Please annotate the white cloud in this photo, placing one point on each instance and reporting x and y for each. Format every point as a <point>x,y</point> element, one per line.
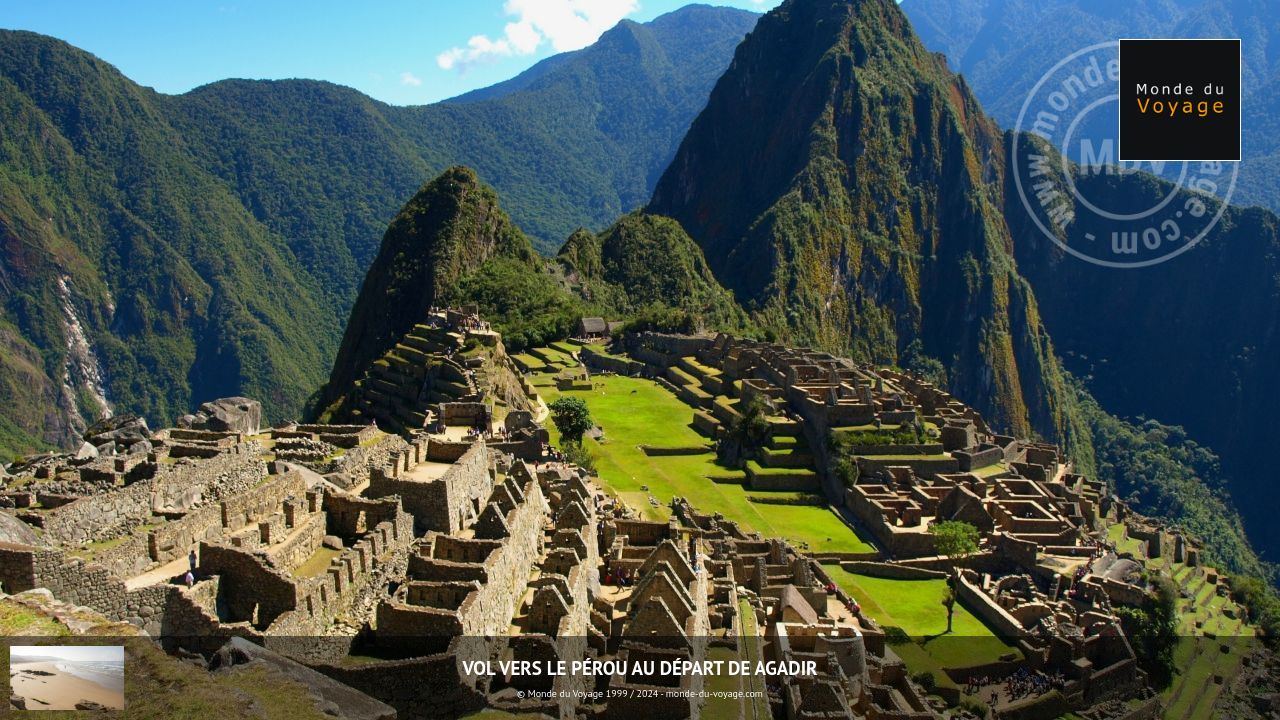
<point>564,24</point>
<point>408,78</point>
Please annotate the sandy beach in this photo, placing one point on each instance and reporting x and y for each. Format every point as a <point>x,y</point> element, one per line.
<point>59,690</point>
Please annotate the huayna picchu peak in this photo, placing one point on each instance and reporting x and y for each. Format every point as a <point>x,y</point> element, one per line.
<point>453,225</point>
<point>839,183</point>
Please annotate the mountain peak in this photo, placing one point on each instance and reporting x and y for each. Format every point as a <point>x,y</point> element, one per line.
<point>852,210</point>
<point>451,225</point>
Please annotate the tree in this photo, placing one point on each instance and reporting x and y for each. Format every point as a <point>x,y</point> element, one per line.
<point>578,455</point>
<point>1152,631</point>
<point>572,418</point>
<point>846,468</point>
<point>955,540</point>
<point>949,602</point>
<point>747,432</point>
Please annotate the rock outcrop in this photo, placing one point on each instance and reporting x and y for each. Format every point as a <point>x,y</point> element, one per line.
<point>232,414</point>
<point>114,435</point>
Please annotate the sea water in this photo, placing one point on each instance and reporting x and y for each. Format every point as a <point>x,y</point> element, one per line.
<point>109,675</point>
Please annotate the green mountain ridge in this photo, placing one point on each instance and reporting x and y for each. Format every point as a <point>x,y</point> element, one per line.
<point>645,261</point>
<point>212,243</point>
<point>453,244</point>
<point>1193,340</point>
<point>452,225</point>
<point>163,250</point>
<point>143,280</point>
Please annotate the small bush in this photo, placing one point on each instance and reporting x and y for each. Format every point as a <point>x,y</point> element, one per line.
<point>578,455</point>
<point>925,680</point>
<point>895,635</point>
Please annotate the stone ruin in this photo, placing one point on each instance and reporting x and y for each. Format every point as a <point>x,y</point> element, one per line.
<point>381,562</point>
<point>923,457</point>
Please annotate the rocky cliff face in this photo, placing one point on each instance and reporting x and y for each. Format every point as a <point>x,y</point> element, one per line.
<point>451,226</point>
<point>840,182</point>
<point>1194,340</point>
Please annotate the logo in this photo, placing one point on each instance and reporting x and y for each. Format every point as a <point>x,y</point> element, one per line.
<point>1067,170</point>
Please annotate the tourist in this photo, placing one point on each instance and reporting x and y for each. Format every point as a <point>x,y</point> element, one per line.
<point>189,579</point>
<point>191,558</point>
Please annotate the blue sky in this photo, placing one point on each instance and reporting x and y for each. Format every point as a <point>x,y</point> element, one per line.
<point>90,653</point>
<point>402,52</point>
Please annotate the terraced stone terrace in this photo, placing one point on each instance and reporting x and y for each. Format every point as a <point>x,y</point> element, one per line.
<point>1214,637</point>
<point>635,412</point>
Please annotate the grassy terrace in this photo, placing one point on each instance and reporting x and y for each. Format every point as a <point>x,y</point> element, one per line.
<point>17,619</point>
<point>749,643</point>
<point>916,607</point>
<point>991,470</point>
<point>1211,644</point>
<point>635,412</point>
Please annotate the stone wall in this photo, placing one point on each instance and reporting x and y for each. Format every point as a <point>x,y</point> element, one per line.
<point>89,584</point>
<point>174,614</point>
<point>359,461</point>
<point>923,467</point>
<point>895,543</point>
<point>351,516</point>
<point>981,605</point>
<point>250,590</point>
<point>422,688</point>
<point>172,539</point>
<point>447,452</point>
<point>17,568</point>
<point>353,578</point>
<point>610,363</point>
<point>111,514</point>
<point>228,473</point>
<point>443,504</point>
<point>891,570</point>
<point>100,517</point>
<point>300,544</point>
<point>247,508</point>
<point>488,608</point>
<point>129,558</point>
<point>979,458</point>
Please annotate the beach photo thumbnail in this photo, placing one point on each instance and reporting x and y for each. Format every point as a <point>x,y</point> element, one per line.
<point>66,677</point>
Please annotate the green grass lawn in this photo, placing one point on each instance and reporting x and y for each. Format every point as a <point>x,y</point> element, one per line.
<point>317,564</point>
<point>990,470</point>
<point>916,607</point>
<point>634,412</point>
<point>17,619</point>
<point>532,363</point>
<point>722,708</point>
<point>1116,534</point>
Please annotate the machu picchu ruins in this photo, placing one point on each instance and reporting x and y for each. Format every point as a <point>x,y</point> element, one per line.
<point>441,527</point>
